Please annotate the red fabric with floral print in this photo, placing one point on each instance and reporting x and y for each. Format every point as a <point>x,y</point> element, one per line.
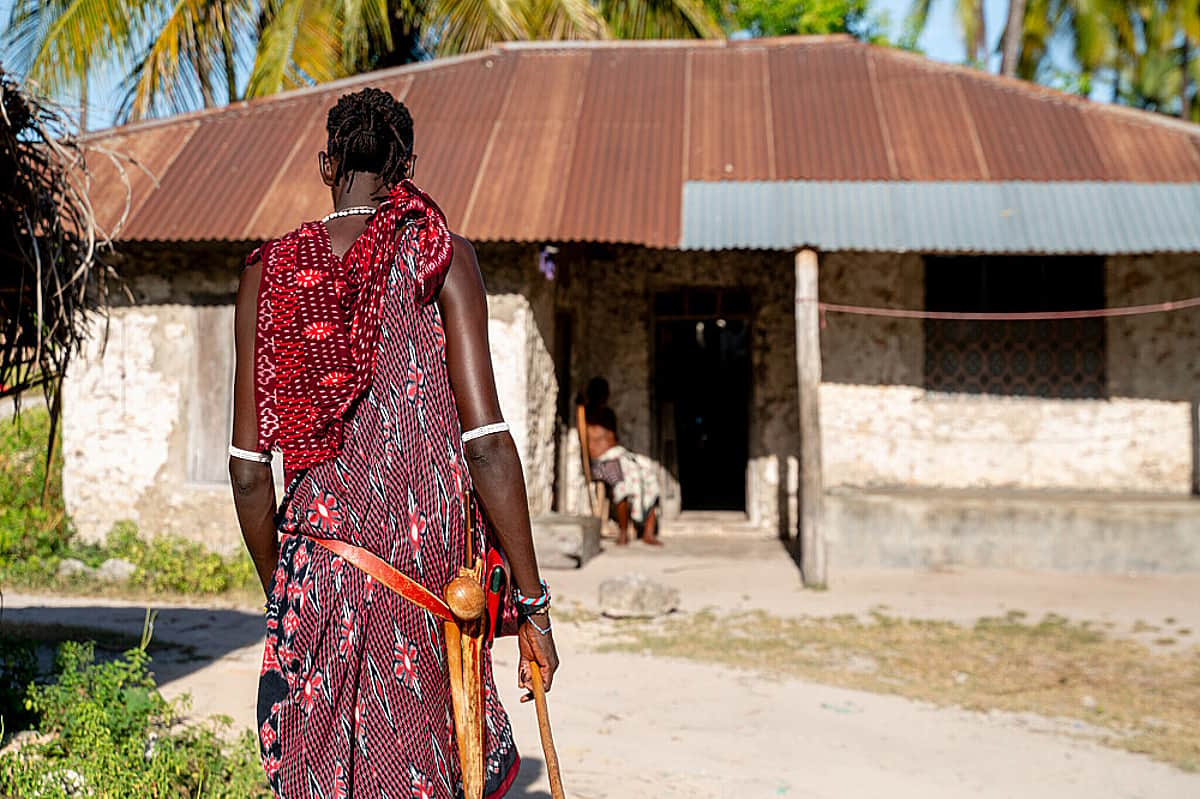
<point>354,694</point>
<point>318,322</point>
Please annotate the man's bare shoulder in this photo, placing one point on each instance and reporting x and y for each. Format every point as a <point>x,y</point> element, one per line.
<point>462,247</point>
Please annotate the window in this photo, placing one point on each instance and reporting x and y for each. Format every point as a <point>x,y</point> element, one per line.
<point>1062,358</point>
<point>210,402</point>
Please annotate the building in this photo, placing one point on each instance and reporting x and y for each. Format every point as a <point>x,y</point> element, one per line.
<point>642,211</point>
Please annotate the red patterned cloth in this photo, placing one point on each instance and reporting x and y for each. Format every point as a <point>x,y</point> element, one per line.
<point>318,321</point>
<point>354,696</point>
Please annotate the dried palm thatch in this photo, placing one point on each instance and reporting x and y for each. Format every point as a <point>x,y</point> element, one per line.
<point>55,276</point>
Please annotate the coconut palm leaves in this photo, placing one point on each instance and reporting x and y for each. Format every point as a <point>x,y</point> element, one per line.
<point>181,54</point>
<point>659,19</point>
<point>1148,52</point>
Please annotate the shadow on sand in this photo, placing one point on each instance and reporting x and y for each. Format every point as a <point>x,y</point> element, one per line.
<point>531,782</point>
<point>184,640</point>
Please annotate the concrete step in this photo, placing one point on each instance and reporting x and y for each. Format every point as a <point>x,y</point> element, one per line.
<point>1091,532</point>
<point>565,542</point>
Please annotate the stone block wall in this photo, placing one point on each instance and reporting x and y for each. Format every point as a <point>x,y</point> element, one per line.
<point>140,413</point>
<point>130,404</point>
<point>147,412</point>
<point>880,428</point>
<point>609,292</point>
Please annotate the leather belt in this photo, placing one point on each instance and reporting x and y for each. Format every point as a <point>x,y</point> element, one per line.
<point>388,575</point>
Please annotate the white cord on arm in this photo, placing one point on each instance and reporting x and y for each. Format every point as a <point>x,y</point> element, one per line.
<point>485,430</point>
<point>249,454</point>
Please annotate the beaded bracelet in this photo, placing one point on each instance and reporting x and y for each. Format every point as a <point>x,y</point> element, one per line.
<point>527,606</point>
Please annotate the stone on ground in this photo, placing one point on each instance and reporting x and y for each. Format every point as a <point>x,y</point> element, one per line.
<point>565,542</point>
<point>73,567</point>
<point>636,596</point>
<point>116,570</point>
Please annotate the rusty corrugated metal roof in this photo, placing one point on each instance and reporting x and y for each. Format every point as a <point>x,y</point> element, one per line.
<point>595,141</point>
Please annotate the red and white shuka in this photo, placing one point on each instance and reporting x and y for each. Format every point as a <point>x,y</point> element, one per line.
<point>352,385</point>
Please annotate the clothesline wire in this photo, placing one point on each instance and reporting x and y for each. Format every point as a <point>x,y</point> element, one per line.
<point>1031,316</point>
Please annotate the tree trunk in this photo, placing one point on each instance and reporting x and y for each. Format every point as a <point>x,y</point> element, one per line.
<point>981,45</point>
<point>1185,55</point>
<point>83,101</point>
<point>227,49</point>
<point>1014,32</point>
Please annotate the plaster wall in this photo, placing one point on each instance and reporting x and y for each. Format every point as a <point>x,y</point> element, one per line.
<point>881,428</point>
<point>610,293</point>
<point>147,411</point>
<point>131,403</point>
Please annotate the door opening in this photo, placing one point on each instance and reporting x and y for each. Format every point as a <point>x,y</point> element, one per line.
<point>702,390</point>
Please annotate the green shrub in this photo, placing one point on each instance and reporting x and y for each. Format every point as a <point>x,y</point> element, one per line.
<point>110,733</point>
<point>18,667</point>
<point>35,539</point>
<point>32,537</point>
<point>175,565</point>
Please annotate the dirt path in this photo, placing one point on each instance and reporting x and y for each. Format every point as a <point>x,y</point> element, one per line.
<point>634,727</point>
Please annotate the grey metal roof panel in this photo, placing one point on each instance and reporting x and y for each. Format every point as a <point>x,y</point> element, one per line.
<point>993,217</point>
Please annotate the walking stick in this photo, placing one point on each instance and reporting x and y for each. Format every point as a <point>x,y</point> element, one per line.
<point>543,716</point>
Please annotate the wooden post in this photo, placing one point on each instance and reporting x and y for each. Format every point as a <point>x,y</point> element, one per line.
<point>808,373</point>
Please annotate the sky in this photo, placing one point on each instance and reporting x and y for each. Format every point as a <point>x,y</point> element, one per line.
<point>940,41</point>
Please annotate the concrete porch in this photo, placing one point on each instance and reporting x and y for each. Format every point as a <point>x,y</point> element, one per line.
<point>1013,529</point>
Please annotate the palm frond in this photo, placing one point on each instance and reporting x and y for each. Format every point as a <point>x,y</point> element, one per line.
<point>563,19</point>
<point>57,42</point>
<point>460,26</point>
<point>660,19</point>
<point>273,58</point>
<point>365,31</point>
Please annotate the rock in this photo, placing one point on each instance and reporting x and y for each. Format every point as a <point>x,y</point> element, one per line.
<point>565,542</point>
<point>636,596</point>
<point>73,567</point>
<point>116,570</point>
<point>22,739</point>
<point>1089,702</point>
<point>70,781</point>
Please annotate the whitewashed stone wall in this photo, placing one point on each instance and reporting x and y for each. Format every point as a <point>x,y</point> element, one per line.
<point>134,407</point>
<point>610,292</point>
<point>130,416</point>
<point>127,405</point>
<point>881,428</point>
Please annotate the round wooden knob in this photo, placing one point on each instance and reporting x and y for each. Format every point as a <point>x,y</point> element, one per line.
<point>465,598</point>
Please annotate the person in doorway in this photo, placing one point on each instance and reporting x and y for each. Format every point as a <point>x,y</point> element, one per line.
<point>595,396</point>
<point>631,479</point>
<point>362,354</point>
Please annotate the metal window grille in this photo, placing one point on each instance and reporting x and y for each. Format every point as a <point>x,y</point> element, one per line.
<point>1062,358</point>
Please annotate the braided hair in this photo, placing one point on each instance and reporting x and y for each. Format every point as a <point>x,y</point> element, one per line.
<point>370,131</point>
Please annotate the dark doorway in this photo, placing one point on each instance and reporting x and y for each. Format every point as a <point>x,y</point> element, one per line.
<point>702,391</point>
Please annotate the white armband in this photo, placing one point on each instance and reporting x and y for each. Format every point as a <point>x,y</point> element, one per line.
<point>485,430</point>
<point>249,455</point>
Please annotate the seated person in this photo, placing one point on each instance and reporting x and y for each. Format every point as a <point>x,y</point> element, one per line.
<point>595,397</point>
<point>631,479</point>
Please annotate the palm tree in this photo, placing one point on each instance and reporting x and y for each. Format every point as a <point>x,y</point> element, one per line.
<point>1153,59</point>
<point>174,52</point>
<point>179,54</point>
<point>970,18</point>
<point>1011,40</point>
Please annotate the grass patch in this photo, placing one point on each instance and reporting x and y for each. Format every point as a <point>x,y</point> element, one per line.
<point>1148,701</point>
<point>36,539</point>
<point>101,728</point>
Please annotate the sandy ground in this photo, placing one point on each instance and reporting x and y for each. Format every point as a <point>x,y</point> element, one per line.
<point>633,726</point>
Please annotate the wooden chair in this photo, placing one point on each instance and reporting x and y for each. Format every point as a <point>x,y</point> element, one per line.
<point>597,491</point>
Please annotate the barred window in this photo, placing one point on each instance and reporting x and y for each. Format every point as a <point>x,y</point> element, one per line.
<point>1063,358</point>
